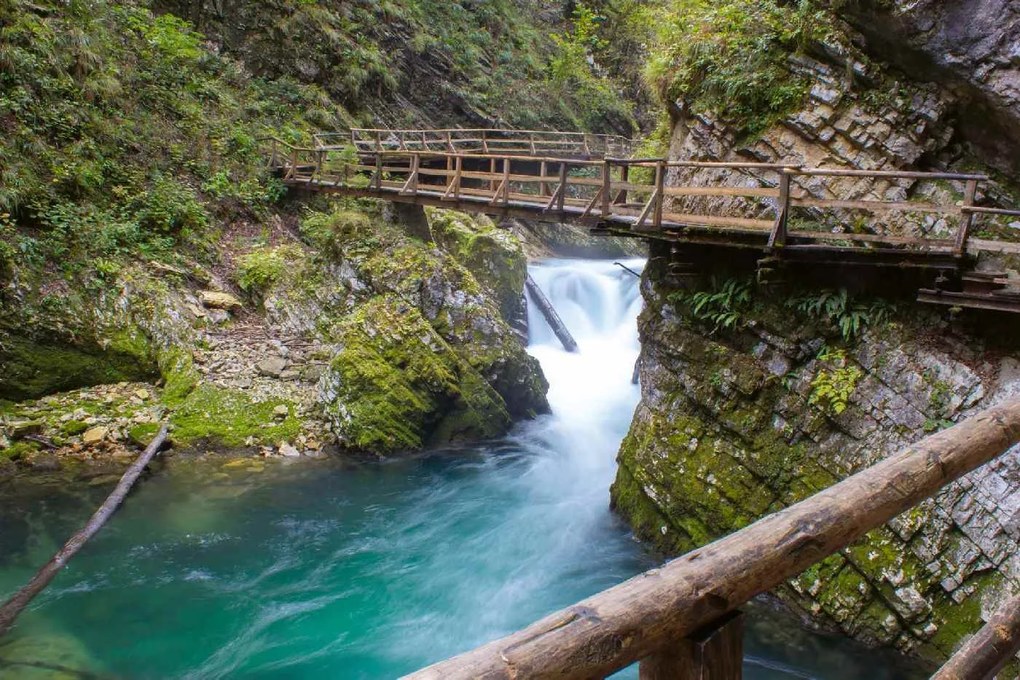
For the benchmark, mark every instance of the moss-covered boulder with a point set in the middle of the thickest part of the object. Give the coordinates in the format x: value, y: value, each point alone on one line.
x: 494, y: 256
x: 396, y: 384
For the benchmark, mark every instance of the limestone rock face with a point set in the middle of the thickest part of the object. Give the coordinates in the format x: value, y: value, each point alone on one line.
x: 972, y: 47
x: 735, y: 424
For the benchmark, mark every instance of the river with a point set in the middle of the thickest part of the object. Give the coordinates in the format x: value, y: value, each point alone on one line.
x: 341, y: 569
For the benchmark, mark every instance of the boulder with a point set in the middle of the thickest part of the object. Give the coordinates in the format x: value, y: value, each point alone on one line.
x: 219, y: 300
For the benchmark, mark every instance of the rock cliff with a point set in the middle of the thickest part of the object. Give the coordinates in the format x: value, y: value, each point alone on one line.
x: 750, y: 403
x: 740, y: 421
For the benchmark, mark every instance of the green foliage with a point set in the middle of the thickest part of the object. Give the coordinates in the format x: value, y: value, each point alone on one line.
x: 838, y: 309
x: 344, y: 228
x: 259, y: 269
x: 731, y: 57
x: 573, y: 73
x: 833, y: 387
x: 722, y: 305
x: 124, y: 135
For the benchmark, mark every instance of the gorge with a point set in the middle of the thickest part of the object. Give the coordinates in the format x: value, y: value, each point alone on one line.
x: 370, y: 470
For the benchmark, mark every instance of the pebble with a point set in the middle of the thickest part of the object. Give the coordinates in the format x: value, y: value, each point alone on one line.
x: 288, y: 451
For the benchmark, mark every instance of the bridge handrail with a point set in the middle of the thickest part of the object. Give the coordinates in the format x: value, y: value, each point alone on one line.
x: 528, y: 142
x: 603, y: 190
x: 646, y: 617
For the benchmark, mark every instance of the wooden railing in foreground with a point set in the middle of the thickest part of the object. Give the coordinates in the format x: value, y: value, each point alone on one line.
x: 633, y: 195
x: 651, y: 617
x: 480, y: 140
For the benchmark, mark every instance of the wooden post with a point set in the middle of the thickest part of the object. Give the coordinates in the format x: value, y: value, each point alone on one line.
x: 485, y: 143
x: 378, y: 171
x: 506, y: 180
x: 456, y: 177
x: 562, y: 196
x: 660, y: 183
x: 400, y: 140
x: 14, y: 606
x: 989, y: 650
x: 543, y: 186
x: 492, y: 171
x: 292, y: 172
x: 713, y: 653
x: 449, y: 142
x: 778, y: 236
x: 607, y: 179
x: 378, y: 141
x: 621, y: 197
x: 966, y: 217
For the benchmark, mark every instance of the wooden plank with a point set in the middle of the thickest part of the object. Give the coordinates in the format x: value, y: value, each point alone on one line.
x: 967, y: 218
x: 652, y: 610
x: 977, y: 245
x: 991, y: 211
x: 888, y: 174
x: 874, y: 206
x: 715, y: 652
x: 778, y: 236
x: 870, y: 238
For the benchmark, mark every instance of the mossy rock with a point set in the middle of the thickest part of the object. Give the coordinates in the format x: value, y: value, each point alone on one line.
x: 221, y: 417
x: 31, y: 369
x: 397, y: 385
x: 494, y: 256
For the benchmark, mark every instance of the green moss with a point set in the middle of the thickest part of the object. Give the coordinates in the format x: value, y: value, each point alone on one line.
x: 142, y: 433
x: 30, y: 369
x: 179, y: 375
x: 19, y: 449
x: 226, y: 417
x: 400, y: 386
x: 73, y: 427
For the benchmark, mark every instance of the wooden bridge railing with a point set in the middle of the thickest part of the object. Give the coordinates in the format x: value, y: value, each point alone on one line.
x: 480, y: 140
x: 634, y: 194
x: 650, y: 618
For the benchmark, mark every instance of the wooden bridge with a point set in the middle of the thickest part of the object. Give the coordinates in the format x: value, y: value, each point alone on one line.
x: 784, y: 213
x: 682, y: 621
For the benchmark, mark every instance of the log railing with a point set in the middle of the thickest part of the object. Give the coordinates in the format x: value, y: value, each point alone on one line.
x: 778, y: 205
x: 683, y: 614
x: 480, y: 140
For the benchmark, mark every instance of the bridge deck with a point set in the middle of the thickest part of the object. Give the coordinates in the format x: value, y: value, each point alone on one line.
x: 784, y: 211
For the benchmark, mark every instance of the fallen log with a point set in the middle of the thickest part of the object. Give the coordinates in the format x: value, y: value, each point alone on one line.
x: 549, y: 312
x: 16, y: 604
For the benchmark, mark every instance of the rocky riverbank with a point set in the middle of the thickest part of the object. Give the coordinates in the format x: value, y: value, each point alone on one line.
x: 338, y: 333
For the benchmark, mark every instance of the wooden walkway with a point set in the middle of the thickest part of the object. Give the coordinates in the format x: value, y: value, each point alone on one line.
x: 786, y: 212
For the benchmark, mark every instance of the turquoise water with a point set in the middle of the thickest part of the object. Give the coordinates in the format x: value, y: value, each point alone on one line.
x: 311, y: 569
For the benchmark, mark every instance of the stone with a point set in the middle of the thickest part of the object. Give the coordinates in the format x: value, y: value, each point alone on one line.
x: 94, y: 435
x: 218, y: 316
x: 281, y: 411
x: 288, y: 451
x: 219, y: 300
x: 142, y: 394
x: 273, y: 366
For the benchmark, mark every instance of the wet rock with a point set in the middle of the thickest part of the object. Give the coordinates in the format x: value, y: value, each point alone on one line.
x: 288, y: 451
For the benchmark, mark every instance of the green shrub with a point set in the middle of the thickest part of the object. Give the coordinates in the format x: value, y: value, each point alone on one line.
x: 261, y: 268
x: 722, y: 305
x: 836, y: 308
x: 731, y: 57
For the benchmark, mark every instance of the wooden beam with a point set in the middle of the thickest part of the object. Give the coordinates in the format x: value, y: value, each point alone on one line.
x: 989, y: 650
x: 650, y: 612
x: 715, y: 652
x: 967, y: 218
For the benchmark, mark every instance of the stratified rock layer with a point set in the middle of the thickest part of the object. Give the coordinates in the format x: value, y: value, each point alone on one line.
x: 731, y: 427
